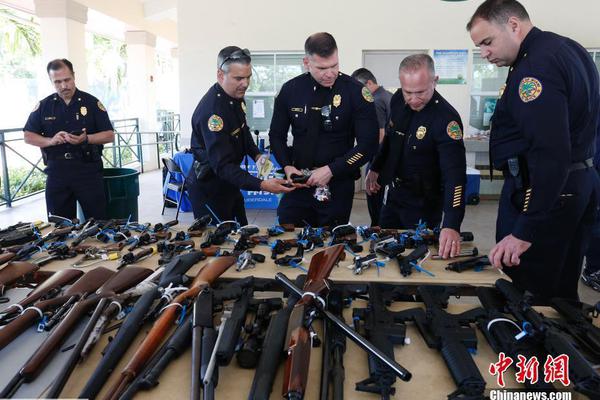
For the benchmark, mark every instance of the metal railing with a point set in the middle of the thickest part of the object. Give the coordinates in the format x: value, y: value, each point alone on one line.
x: 127, y: 150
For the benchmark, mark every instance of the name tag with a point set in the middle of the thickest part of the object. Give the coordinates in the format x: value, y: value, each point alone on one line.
x: 49, y: 118
x: 297, y: 109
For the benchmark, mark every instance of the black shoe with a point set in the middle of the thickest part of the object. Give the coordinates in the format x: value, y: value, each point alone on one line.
x: 591, y: 279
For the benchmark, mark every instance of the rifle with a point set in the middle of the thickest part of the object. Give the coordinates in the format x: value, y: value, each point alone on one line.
x: 118, y: 283
x: 400, y: 371
x: 579, y: 324
x: 249, y: 353
x: 28, y: 250
x: 15, y: 272
x: 384, y: 329
x: 35, y: 364
x: 42, y: 290
x: 452, y: 336
x: 298, y: 335
x: 88, y: 283
x: 272, y: 349
x: 334, y: 346
x: 174, y: 273
x: 19, y: 233
x: 501, y: 333
x: 555, y: 342
x: 205, y: 277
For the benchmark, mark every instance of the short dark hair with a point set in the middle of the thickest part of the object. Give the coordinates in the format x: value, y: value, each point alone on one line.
x: 232, y: 54
x: 321, y: 44
x: 363, y: 75
x: 59, y: 63
x: 415, y: 62
x: 498, y: 11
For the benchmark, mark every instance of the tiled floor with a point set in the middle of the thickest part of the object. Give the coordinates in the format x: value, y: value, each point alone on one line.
x: 479, y: 219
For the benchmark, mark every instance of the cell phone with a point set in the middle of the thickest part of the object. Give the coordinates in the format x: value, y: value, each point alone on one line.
x: 76, y: 132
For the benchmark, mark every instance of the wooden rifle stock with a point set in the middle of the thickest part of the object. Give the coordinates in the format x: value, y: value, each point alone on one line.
x: 14, y: 271
x: 299, y: 341
x: 6, y: 257
x: 207, y: 274
x: 57, y: 280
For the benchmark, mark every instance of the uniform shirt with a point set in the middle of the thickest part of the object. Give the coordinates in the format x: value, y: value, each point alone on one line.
x: 547, y: 114
x: 52, y: 115
x: 382, y: 106
x: 432, y: 150
x: 221, y: 137
x: 352, y: 117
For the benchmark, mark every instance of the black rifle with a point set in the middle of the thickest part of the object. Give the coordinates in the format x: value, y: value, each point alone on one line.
x: 452, y: 336
x: 384, y: 329
x: 174, y: 273
x: 334, y: 342
x: 579, y: 324
x: 254, y: 333
x: 556, y: 342
x: 501, y: 333
x: 272, y: 349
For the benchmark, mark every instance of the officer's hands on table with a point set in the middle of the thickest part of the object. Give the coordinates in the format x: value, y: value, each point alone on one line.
x: 449, y: 243
x: 507, y: 252
x: 371, y: 185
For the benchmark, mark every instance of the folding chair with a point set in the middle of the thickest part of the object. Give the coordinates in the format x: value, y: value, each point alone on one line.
x: 178, y: 187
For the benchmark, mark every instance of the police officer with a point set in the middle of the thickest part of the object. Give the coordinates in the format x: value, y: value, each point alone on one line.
x: 220, y: 141
x: 327, y: 111
x: 382, y: 99
x: 422, y: 158
x: 542, y: 138
x: 70, y: 127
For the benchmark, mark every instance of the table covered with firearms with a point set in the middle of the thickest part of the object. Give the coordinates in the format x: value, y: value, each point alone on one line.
x: 108, y: 309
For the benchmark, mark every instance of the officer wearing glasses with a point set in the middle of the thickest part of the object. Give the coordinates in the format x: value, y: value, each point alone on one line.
x: 220, y: 141
x: 328, y: 111
x: 422, y: 158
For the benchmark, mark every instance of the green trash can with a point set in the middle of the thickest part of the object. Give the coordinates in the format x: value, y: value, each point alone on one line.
x: 122, y: 188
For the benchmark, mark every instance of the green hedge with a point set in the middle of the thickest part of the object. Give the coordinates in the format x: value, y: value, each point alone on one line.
x: 35, y: 183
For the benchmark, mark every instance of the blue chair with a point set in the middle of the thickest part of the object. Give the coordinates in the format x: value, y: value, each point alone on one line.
x: 169, y: 184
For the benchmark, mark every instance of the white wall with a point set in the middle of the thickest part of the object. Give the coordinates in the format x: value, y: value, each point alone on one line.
x: 205, y: 27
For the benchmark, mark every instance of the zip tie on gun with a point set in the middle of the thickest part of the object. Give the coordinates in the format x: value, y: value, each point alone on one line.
x: 170, y: 305
x: 315, y: 297
x: 20, y: 307
x: 170, y: 290
x: 34, y: 309
x: 522, y: 333
x: 118, y: 305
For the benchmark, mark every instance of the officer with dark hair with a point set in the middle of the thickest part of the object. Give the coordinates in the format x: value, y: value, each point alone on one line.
x: 422, y: 160
x: 328, y: 111
x: 542, y: 139
x: 382, y: 106
x: 70, y: 127
x: 220, y: 141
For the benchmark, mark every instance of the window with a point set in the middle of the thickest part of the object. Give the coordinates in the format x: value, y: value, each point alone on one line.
x: 269, y: 72
x: 595, y: 53
x: 384, y: 65
x: 486, y: 83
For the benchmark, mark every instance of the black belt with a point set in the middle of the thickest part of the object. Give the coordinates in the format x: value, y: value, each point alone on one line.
x: 589, y: 163
x: 65, y: 156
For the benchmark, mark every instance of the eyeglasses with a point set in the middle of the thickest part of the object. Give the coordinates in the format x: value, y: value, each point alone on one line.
x: 236, y: 55
x: 327, y: 123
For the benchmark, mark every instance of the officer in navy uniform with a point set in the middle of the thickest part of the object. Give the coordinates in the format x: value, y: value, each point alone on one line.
x: 422, y: 158
x: 327, y: 111
x: 70, y: 127
x: 542, y: 139
x: 220, y: 141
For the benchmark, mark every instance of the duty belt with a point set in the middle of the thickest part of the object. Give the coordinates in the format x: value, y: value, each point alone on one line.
x: 589, y: 163
x: 65, y: 156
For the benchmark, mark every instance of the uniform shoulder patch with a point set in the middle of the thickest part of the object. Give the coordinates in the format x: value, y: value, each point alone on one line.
x: 454, y: 131
x: 101, y: 106
x: 529, y: 89
x: 36, y: 107
x: 215, y: 123
x: 366, y: 94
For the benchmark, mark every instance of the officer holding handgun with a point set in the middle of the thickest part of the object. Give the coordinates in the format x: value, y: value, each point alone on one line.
x: 70, y: 126
x: 327, y: 111
x: 220, y: 141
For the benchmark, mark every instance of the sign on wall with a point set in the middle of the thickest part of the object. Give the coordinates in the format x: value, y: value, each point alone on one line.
x: 451, y: 66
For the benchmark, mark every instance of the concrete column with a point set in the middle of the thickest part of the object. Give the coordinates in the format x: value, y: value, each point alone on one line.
x: 141, y: 68
x: 62, y: 28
